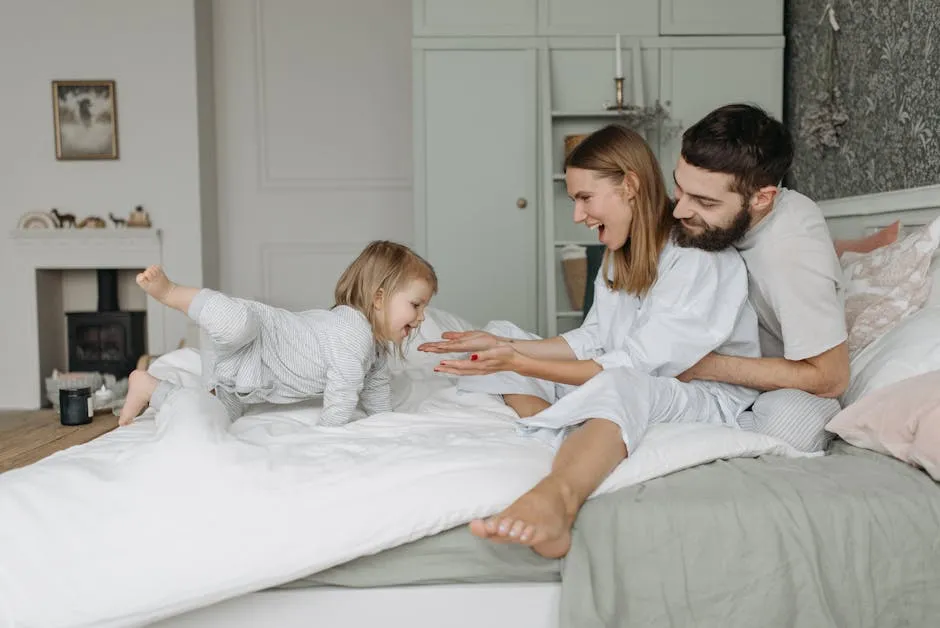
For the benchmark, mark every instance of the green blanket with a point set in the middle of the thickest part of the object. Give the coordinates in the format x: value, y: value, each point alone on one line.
x: 850, y: 539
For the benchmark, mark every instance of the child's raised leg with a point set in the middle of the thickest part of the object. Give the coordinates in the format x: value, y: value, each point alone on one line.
x: 228, y: 322
x: 155, y: 283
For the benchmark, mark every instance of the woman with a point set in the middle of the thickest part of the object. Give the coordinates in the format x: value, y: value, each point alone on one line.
x: 658, y: 309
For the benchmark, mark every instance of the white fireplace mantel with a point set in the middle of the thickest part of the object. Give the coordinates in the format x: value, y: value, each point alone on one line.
x: 69, y: 249
x: 88, y: 248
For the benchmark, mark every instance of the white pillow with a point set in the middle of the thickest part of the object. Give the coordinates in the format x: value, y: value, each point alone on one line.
x: 934, y: 299
x: 910, y: 348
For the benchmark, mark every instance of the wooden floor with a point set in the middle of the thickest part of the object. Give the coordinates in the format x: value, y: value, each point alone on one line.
x: 30, y: 435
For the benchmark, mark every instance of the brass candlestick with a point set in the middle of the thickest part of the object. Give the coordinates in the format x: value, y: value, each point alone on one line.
x: 618, y: 87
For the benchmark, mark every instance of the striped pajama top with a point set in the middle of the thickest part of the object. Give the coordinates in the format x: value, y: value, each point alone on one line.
x: 268, y: 354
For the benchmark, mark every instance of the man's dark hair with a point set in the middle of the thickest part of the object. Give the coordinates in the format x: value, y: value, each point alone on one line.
x: 743, y: 141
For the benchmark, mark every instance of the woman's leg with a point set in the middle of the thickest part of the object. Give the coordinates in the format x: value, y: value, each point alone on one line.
x: 614, y: 409
x: 525, y: 405
x: 542, y: 518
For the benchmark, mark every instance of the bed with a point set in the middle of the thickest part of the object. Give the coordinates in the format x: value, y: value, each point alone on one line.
x: 834, y: 507
x: 851, y: 538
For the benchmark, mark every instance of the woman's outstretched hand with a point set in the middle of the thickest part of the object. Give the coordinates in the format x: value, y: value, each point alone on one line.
x: 503, y: 357
x: 462, y: 342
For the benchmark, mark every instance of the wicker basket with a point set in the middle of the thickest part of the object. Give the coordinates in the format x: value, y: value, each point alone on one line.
x: 571, y: 141
x: 574, y: 269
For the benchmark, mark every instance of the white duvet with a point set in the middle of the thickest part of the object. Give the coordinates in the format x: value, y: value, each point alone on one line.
x: 183, y: 510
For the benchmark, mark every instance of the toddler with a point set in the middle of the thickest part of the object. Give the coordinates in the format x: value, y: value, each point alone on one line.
x: 262, y: 353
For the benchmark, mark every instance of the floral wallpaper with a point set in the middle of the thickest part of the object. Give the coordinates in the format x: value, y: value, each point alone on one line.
x: 876, y: 125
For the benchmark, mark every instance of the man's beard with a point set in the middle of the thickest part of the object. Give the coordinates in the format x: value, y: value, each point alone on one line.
x: 714, y: 238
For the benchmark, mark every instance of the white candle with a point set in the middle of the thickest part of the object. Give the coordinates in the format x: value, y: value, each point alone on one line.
x: 619, y: 72
x: 638, y: 95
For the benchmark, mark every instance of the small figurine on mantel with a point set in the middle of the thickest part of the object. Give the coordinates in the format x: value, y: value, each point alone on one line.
x: 92, y: 222
x: 139, y: 218
x: 64, y: 220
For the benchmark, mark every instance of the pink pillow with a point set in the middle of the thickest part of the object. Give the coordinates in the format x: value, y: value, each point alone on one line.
x: 882, y: 237
x: 901, y: 420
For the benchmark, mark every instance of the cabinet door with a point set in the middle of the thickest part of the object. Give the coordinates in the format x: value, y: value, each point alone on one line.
x: 477, y: 116
x: 721, y: 17
x: 474, y: 17
x: 697, y: 80
x: 599, y: 17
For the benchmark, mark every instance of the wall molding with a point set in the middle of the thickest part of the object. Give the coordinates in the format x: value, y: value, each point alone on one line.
x: 271, y: 251
x: 926, y: 197
x: 267, y: 181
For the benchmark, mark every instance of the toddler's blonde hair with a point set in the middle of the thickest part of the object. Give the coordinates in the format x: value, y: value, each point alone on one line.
x: 385, y: 268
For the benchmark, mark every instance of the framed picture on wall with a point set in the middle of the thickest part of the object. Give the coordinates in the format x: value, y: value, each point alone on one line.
x: 85, y: 119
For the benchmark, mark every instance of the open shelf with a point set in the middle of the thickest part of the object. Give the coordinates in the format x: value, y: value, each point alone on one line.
x: 578, y: 242
x: 587, y: 114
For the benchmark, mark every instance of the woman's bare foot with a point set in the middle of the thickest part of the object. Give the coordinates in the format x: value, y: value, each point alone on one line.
x: 540, y: 519
x: 140, y: 387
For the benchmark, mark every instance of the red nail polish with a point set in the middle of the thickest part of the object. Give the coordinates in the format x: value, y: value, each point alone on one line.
x: 474, y: 357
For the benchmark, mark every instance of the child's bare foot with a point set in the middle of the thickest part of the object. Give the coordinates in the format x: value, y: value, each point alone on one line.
x: 140, y: 387
x: 155, y: 283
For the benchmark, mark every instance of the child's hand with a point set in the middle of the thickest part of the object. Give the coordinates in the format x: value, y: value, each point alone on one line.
x: 503, y: 357
x: 463, y: 341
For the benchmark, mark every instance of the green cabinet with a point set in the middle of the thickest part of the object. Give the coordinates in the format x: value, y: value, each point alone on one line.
x: 476, y: 189
x: 498, y: 85
x: 474, y: 17
x: 721, y: 17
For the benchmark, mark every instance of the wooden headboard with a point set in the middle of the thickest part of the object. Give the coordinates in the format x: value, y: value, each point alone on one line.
x: 858, y: 216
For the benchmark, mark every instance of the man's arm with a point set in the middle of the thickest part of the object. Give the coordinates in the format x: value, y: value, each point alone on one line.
x: 825, y: 375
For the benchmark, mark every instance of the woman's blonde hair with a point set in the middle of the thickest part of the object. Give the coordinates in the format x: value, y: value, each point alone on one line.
x: 612, y: 153
x: 383, y: 268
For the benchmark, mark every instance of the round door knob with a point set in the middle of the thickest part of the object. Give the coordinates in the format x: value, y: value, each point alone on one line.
x: 521, y: 203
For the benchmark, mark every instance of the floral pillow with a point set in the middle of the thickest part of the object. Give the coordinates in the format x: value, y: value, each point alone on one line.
x: 887, y: 284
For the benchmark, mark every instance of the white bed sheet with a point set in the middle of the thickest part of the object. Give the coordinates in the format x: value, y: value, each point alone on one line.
x: 184, y: 511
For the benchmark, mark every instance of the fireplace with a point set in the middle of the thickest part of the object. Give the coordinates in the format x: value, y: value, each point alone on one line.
x: 109, y: 340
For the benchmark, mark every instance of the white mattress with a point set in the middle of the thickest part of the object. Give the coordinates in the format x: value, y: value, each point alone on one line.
x: 521, y: 605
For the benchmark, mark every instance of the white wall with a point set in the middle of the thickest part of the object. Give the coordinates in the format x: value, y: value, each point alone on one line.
x: 314, y: 140
x: 303, y: 105
x: 149, y: 48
